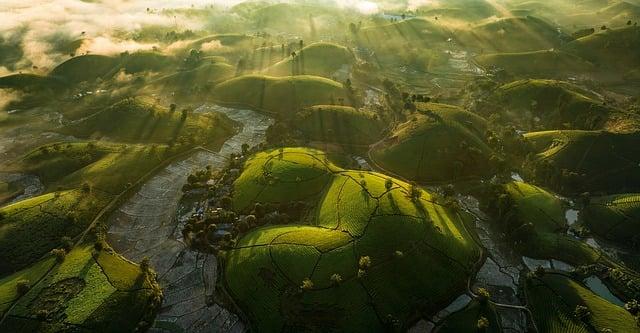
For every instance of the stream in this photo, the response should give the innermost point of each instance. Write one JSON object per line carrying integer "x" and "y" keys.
{"x": 147, "y": 225}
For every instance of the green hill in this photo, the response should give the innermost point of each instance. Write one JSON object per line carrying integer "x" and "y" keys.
{"x": 414, "y": 30}
{"x": 137, "y": 121}
{"x": 85, "y": 68}
{"x": 615, "y": 218}
{"x": 29, "y": 82}
{"x": 31, "y": 228}
{"x": 443, "y": 143}
{"x": 466, "y": 320}
{"x": 534, "y": 220}
{"x": 320, "y": 59}
{"x": 537, "y": 64}
{"x": 87, "y": 292}
{"x": 554, "y": 297}
{"x": 194, "y": 82}
{"x": 106, "y": 167}
{"x": 356, "y": 256}
{"x": 339, "y": 124}
{"x": 513, "y": 34}
{"x": 282, "y": 95}
{"x": 551, "y": 104}
{"x": 587, "y": 161}
{"x": 610, "y": 49}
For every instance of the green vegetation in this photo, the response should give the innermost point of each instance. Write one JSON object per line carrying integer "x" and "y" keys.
{"x": 550, "y": 104}
{"x": 586, "y": 161}
{"x": 610, "y": 49}
{"x": 512, "y": 34}
{"x": 320, "y": 59}
{"x": 196, "y": 81}
{"x": 139, "y": 121}
{"x": 537, "y": 64}
{"x": 475, "y": 317}
{"x": 560, "y": 304}
{"x": 534, "y": 220}
{"x": 31, "y": 228}
{"x": 440, "y": 143}
{"x": 351, "y": 266}
{"x": 615, "y": 218}
{"x": 79, "y": 293}
{"x": 28, "y": 82}
{"x": 339, "y": 124}
{"x": 283, "y": 96}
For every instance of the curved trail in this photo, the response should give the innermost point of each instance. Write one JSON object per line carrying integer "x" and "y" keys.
{"x": 146, "y": 225}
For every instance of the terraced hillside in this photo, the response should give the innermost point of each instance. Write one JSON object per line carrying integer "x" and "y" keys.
{"x": 534, "y": 220}
{"x": 137, "y": 120}
{"x": 87, "y": 291}
{"x": 339, "y": 124}
{"x": 617, "y": 49}
{"x": 615, "y": 218}
{"x": 551, "y": 104}
{"x": 586, "y": 161}
{"x": 442, "y": 143}
{"x": 512, "y": 34}
{"x": 560, "y": 303}
{"x": 537, "y": 64}
{"x": 280, "y": 95}
{"x": 320, "y": 59}
{"x": 353, "y": 258}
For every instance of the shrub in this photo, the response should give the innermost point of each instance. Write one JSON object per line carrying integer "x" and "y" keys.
{"x": 67, "y": 243}
{"x": 388, "y": 184}
{"x": 581, "y": 312}
{"x": 632, "y": 306}
{"x": 144, "y": 265}
{"x": 22, "y": 287}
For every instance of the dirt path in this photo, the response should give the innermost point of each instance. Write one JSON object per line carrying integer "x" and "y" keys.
{"x": 147, "y": 225}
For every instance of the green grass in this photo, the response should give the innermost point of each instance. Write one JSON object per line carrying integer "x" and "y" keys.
{"x": 135, "y": 120}
{"x": 78, "y": 292}
{"x": 339, "y": 124}
{"x": 32, "y": 227}
{"x": 197, "y": 81}
{"x": 283, "y": 95}
{"x": 615, "y": 218}
{"x": 466, "y": 320}
{"x": 31, "y": 275}
{"x": 553, "y": 298}
{"x": 601, "y": 162}
{"x": 355, "y": 216}
{"x": 442, "y": 143}
{"x": 320, "y": 59}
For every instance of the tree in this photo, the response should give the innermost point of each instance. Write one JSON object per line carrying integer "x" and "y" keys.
{"x": 172, "y": 107}
{"x": 60, "y": 254}
{"x": 581, "y": 312}
{"x": 483, "y": 295}
{"x": 364, "y": 262}
{"x": 388, "y": 184}
{"x": 307, "y": 284}
{"x": 144, "y": 265}
{"x": 336, "y": 279}
{"x": 251, "y": 220}
{"x": 22, "y": 287}
{"x": 353, "y": 28}
{"x": 245, "y": 149}
{"x": 482, "y": 324}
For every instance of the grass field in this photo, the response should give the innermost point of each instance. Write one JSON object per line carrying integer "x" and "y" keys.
{"x": 553, "y": 298}
{"x": 80, "y": 294}
{"x": 595, "y": 161}
{"x": 443, "y": 143}
{"x": 615, "y": 218}
{"x": 610, "y": 49}
{"x": 136, "y": 120}
{"x": 339, "y": 124}
{"x": 198, "y": 81}
{"x": 356, "y": 215}
{"x": 320, "y": 59}
{"x": 282, "y": 95}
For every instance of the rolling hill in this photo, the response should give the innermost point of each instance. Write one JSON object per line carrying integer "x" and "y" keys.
{"x": 320, "y": 59}
{"x": 339, "y": 124}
